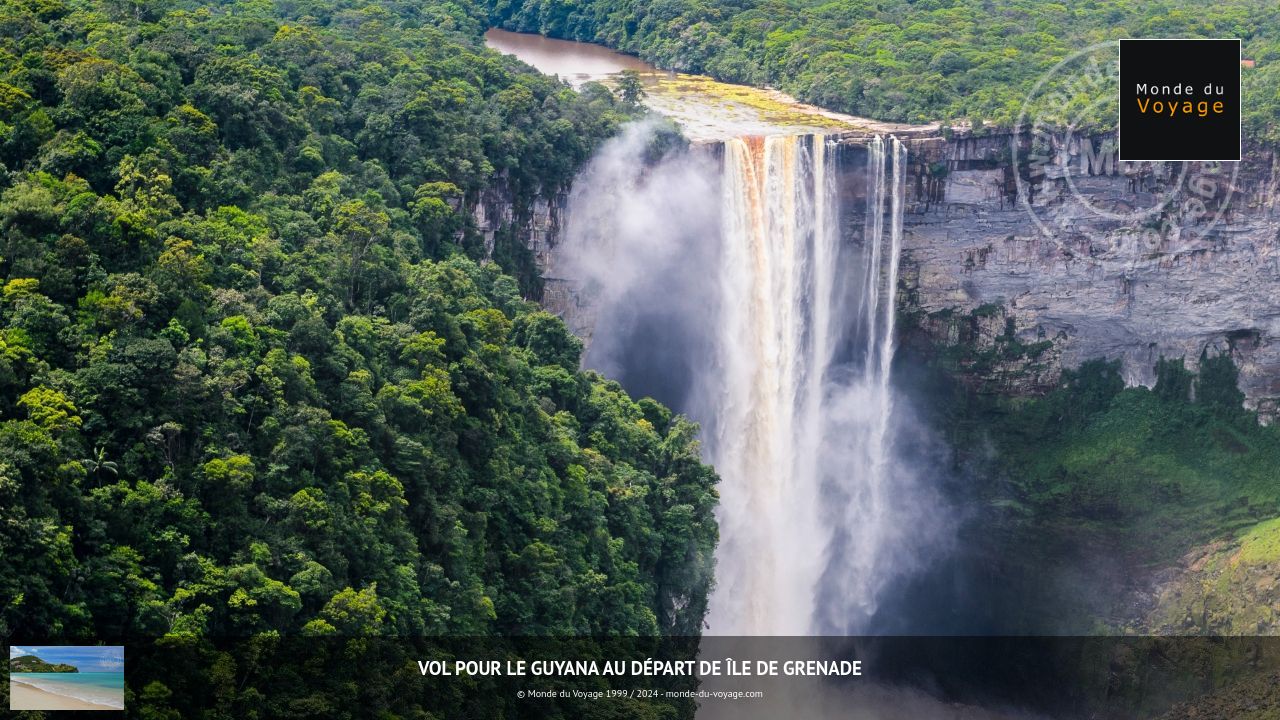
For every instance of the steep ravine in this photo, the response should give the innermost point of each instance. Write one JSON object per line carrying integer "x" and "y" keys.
{"x": 1011, "y": 306}
{"x": 1015, "y": 268}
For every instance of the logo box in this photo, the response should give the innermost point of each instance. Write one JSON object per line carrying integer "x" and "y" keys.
{"x": 1179, "y": 100}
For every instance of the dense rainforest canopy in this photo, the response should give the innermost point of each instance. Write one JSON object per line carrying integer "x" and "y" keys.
{"x": 908, "y": 60}
{"x": 257, "y": 373}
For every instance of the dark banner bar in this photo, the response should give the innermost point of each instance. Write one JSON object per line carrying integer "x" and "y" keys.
{"x": 714, "y": 677}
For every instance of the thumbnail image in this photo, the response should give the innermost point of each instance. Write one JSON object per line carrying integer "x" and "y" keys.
{"x": 66, "y": 677}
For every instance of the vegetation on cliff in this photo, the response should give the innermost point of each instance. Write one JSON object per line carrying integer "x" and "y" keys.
{"x": 1088, "y": 489}
{"x": 1171, "y": 465}
{"x": 1229, "y": 587}
{"x": 255, "y": 373}
{"x": 911, "y": 60}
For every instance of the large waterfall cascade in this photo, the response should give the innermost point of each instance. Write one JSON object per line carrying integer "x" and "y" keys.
{"x": 725, "y": 285}
{"x": 803, "y": 418}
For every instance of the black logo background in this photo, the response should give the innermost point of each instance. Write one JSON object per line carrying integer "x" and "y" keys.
{"x": 1183, "y": 136}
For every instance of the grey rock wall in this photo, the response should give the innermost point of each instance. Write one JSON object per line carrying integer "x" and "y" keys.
{"x": 537, "y": 226}
{"x": 1089, "y": 280}
{"x": 1126, "y": 288}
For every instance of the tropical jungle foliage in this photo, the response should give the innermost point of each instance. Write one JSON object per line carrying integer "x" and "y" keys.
{"x": 909, "y": 60}
{"x": 257, "y": 374}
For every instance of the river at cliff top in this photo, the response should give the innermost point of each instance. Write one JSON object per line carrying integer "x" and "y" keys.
{"x": 706, "y": 109}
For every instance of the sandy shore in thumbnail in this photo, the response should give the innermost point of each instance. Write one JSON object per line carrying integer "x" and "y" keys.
{"x": 25, "y": 697}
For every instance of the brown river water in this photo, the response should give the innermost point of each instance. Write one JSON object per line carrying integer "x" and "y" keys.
{"x": 706, "y": 109}
{"x": 573, "y": 62}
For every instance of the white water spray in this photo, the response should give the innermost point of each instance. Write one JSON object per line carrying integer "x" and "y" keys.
{"x": 786, "y": 444}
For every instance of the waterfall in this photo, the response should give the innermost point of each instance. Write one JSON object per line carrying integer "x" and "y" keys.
{"x": 798, "y": 353}
{"x": 871, "y": 529}
{"x": 771, "y": 394}
{"x": 733, "y": 286}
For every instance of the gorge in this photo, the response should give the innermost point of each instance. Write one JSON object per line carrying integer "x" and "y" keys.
{"x": 985, "y": 261}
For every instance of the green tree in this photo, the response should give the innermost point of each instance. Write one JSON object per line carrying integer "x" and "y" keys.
{"x": 630, "y": 88}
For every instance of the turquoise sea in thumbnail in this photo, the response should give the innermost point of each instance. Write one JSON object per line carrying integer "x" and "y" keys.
{"x": 100, "y": 688}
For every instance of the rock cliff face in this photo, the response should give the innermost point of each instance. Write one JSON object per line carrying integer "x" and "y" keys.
{"x": 1038, "y": 260}
{"x": 536, "y": 224}
{"x": 536, "y": 229}
{"x": 1085, "y": 269}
